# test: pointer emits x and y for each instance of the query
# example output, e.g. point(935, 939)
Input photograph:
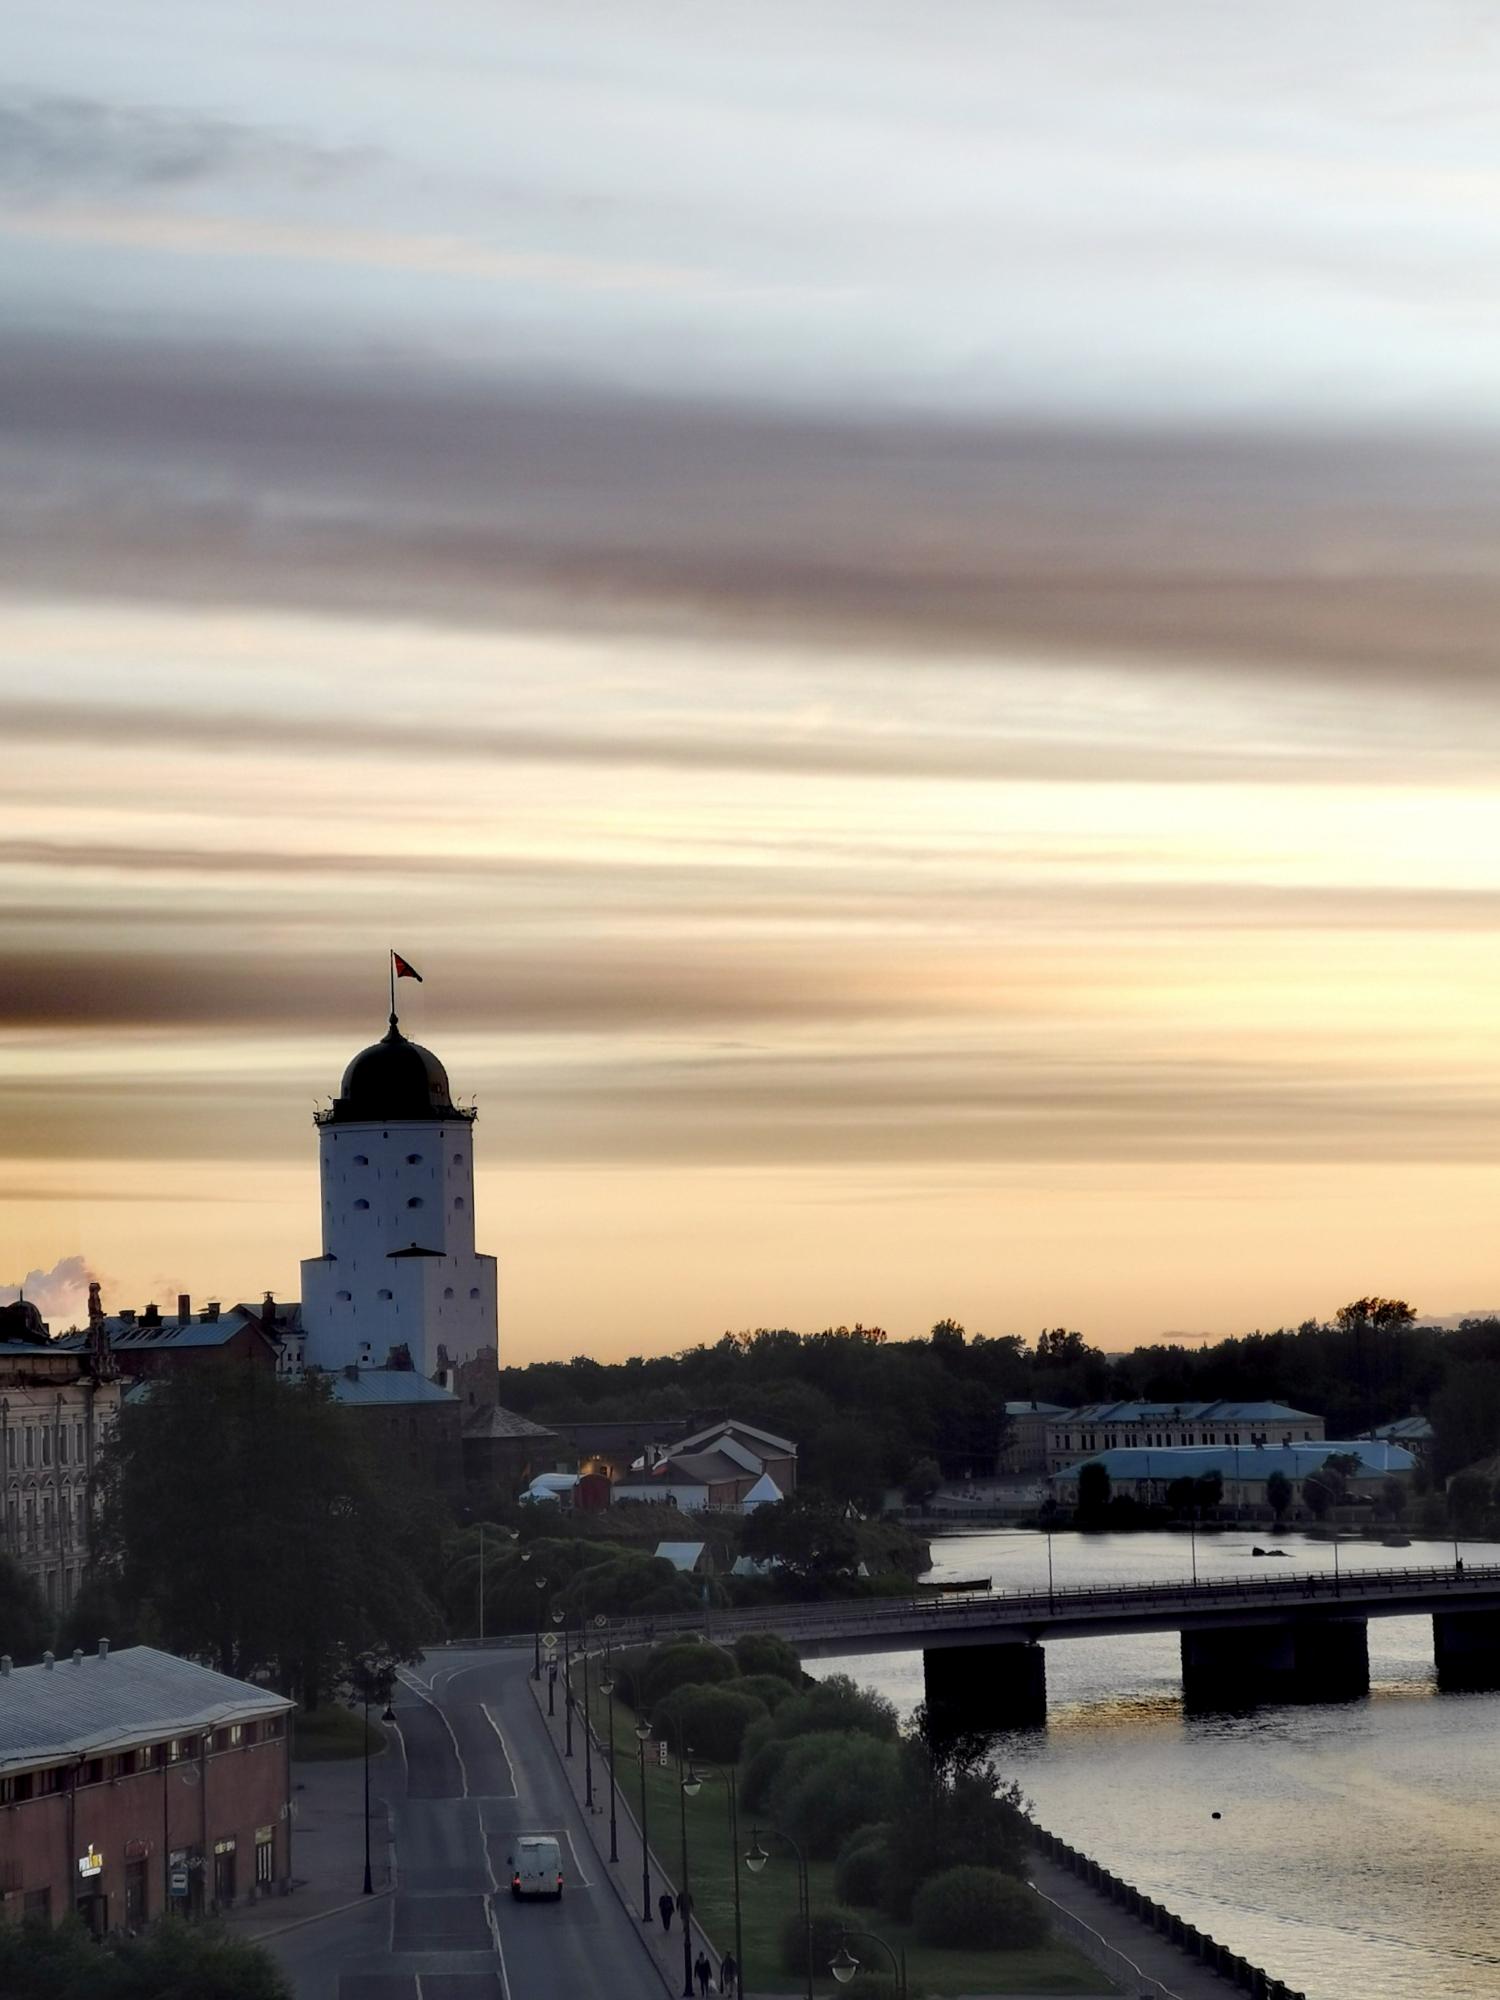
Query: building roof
point(781, 1445)
point(362, 1387)
point(81, 1707)
point(1241, 1462)
point(493, 1422)
point(1405, 1430)
point(681, 1555)
point(765, 1489)
point(1169, 1412)
point(394, 1079)
point(135, 1334)
point(1034, 1409)
point(704, 1468)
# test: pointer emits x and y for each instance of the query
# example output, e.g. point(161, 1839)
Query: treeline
point(870, 1413)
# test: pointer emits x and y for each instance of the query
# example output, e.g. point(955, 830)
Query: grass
point(767, 1899)
point(322, 1734)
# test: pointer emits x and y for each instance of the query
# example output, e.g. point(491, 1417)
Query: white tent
point(764, 1489)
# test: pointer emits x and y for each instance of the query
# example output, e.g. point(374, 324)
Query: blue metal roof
point(386, 1385)
point(1243, 1461)
point(1223, 1412)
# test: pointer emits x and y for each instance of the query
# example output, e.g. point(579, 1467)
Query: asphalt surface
point(476, 1769)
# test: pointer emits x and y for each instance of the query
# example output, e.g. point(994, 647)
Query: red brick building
point(135, 1782)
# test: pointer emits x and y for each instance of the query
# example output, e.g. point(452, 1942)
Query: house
point(136, 1783)
point(503, 1452)
point(150, 1342)
point(1145, 1475)
point(1413, 1433)
point(1097, 1427)
point(408, 1420)
point(756, 1450)
point(1023, 1443)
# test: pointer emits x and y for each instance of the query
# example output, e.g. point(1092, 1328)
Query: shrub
point(859, 1872)
point(978, 1907)
point(712, 1720)
point(831, 1784)
point(769, 1688)
point(827, 1928)
point(869, 1986)
point(763, 1761)
point(766, 1653)
point(678, 1662)
point(837, 1703)
point(630, 1669)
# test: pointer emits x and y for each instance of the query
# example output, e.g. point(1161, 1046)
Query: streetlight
point(1050, 1605)
point(643, 1737)
point(845, 1965)
point(692, 1784)
point(757, 1858)
point(536, 1629)
point(370, 1684)
point(607, 1689)
point(685, 1895)
point(560, 1617)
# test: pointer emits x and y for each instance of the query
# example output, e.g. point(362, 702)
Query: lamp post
point(370, 1685)
point(684, 1894)
point(588, 1731)
point(1050, 1605)
point(757, 1858)
point(607, 1689)
point(560, 1617)
point(692, 1784)
point(481, 1583)
point(845, 1965)
point(643, 1737)
point(536, 1632)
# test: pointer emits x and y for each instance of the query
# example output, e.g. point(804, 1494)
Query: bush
point(869, 1986)
point(831, 1784)
point(978, 1907)
point(837, 1703)
point(630, 1675)
point(766, 1653)
point(679, 1662)
point(859, 1872)
point(763, 1761)
point(827, 1927)
point(769, 1688)
point(711, 1720)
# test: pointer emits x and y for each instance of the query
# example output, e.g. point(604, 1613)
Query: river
point(1357, 1855)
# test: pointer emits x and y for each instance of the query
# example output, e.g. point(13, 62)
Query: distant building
point(730, 1465)
point(135, 1783)
point(58, 1403)
point(1413, 1433)
point(1097, 1427)
point(409, 1421)
point(1023, 1446)
point(149, 1342)
point(1142, 1474)
point(503, 1452)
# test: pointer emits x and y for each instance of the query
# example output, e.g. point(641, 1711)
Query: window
point(46, 1444)
point(135, 1895)
point(91, 1773)
point(383, 1293)
point(10, 1449)
point(361, 1160)
point(30, 1445)
point(414, 1159)
point(343, 1297)
point(458, 1201)
point(224, 1872)
point(458, 1159)
point(236, 1735)
point(265, 1856)
point(62, 1444)
point(414, 1201)
point(447, 1291)
point(473, 1291)
point(361, 1203)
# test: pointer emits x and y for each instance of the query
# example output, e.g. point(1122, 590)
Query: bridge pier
point(1466, 1647)
point(1259, 1665)
point(986, 1687)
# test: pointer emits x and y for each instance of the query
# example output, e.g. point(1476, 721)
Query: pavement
point(472, 1768)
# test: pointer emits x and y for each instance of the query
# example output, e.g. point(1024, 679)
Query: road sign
point(179, 1882)
point(661, 1750)
point(549, 1640)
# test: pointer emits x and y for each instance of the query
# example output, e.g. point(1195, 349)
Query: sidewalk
point(328, 1846)
point(624, 1876)
point(1169, 1969)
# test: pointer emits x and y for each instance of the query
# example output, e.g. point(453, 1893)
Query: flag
point(402, 970)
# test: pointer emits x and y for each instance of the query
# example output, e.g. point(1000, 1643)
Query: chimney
point(5, 1664)
point(268, 1313)
point(47, 1659)
point(351, 1369)
point(184, 1306)
point(127, 1315)
point(211, 1313)
point(151, 1317)
point(104, 1649)
point(78, 1656)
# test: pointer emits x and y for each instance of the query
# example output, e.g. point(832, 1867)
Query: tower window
point(447, 1291)
point(473, 1291)
point(361, 1160)
point(344, 1297)
point(361, 1204)
point(458, 1201)
point(458, 1159)
point(383, 1293)
point(414, 1159)
point(414, 1201)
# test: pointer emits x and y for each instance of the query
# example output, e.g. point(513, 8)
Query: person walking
point(665, 1906)
point(703, 1971)
point(729, 1974)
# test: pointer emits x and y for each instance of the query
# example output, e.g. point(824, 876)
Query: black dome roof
point(394, 1079)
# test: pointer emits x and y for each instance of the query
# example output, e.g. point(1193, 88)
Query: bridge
point(1275, 1638)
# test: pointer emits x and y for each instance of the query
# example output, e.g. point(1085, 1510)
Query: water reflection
point(1359, 1843)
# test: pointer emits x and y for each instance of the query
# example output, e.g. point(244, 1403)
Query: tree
point(1468, 1501)
point(248, 1518)
point(807, 1536)
point(1279, 1496)
point(1326, 1488)
point(1393, 1497)
point(1465, 1416)
point(25, 1621)
point(171, 1960)
point(923, 1481)
point(1093, 1492)
point(948, 1336)
point(948, 1812)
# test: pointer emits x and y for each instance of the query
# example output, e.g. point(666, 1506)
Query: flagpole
point(391, 955)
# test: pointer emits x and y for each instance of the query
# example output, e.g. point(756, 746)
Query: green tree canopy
point(247, 1516)
point(25, 1621)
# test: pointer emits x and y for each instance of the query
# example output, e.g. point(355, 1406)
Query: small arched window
point(447, 1291)
point(414, 1201)
point(458, 1159)
point(414, 1159)
point(361, 1159)
point(458, 1201)
point(361, 1203)
point(344, 1297)
point(473, 1291)
point(383, 1293)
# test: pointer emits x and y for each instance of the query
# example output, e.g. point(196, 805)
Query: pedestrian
point(666, 1906)
point(729, 1974)
point(703, 1972)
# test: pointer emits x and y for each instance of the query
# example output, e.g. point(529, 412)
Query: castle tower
point(399, 1268)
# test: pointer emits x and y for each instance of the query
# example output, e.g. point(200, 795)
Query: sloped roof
point(385, 1385)
point(1241, 1461)
point(764, 1490)
point(681, 1555)
point(1405, 1430)
point(80, 1708)
point(781, 1444)
point(1187, 1412)
point(704, 1468)
point(126, 1336)
point(493, 1422)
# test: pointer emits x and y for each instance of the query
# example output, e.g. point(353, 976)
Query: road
point(476, 1768)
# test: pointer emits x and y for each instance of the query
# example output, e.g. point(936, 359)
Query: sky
point(895, 606)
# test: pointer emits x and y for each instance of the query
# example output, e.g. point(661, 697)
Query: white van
point(536, 1867)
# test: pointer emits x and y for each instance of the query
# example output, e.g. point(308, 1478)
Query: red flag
point(403, 970)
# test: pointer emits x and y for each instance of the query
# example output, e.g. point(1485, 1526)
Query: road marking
point(422, 1695)
point(484, 1709)
point(489, 1902)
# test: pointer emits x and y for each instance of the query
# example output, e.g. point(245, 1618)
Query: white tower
point(398, 1268)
